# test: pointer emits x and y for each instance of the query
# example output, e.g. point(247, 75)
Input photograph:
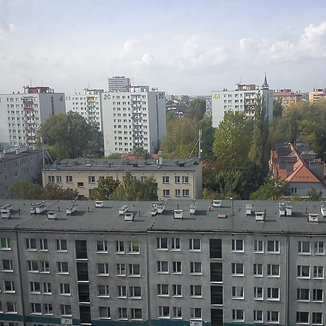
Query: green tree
point(277, 108)
point(105, 188)
point(197, 108)
point(272, 189)
point(113, 156)
point(25, 189)
point(207, 138)
point(54, 191)
point(133, 189)
point(70, 136)
point(314, 195)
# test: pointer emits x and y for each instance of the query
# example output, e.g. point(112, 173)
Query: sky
point(189, 47)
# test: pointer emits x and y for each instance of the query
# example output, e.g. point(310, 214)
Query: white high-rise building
point(88, 104)
point(22, 113)
point(243, 98)
point(134, 119)
point(118, 83)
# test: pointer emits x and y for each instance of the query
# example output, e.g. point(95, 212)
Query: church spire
point(265, 85)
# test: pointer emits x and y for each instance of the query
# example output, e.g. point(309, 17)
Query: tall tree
point(207, 138)
point(273, 188)
point(197, 108)
point(105, 188)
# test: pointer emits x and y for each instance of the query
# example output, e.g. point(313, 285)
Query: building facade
point(317, 95)
point(119, 264)
point(243, 98)
point(119, 83)
point(133, 119)
point(287, 97)
point(182, 179)
point(17, 164)
point(24, 112)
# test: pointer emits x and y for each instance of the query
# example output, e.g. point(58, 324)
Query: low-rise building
point(287, 97)
point(317, 95)
point(175, 179)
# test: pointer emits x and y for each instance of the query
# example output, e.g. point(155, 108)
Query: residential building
point(287, 97)
point(17, 164)
point(88, 104)
point(208, 106)
point(24, 112)
point(243, 98)
point(175, 179)
point(119, 83)
point(298, 165)
point(120, 263)
point(317, 95)
point(133, 119)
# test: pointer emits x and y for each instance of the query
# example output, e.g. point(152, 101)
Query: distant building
point(119, 83)
point(243, 99)
point(175, 179)
point(88, 104)
point(298, 165)
point(317, 95)
point(23, 113)
point(17, 164)
point(287, 97)
point(208, 106)
point(133, 119)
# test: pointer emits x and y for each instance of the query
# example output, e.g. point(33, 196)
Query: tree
point(314, 195)
point(70, 136)
point(25, 189)
point(134, 189)
point(273, 188)
point(207, 139)
point(277, 108)
point(57, 192)
point(197, 108)
point(105, 188)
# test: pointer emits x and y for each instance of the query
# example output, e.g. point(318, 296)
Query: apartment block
point(24, 112)
point(287, 97)
point(119, 83)
point(199, 263)
point(175, 179)
point(317, 95)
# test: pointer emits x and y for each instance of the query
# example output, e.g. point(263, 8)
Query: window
point(61, 245)
point(103, 291)
point(64, 288)
point(237, 315)
point(32, 265)
point(303, 271)
point(102, 246)
point(91, 179)
point(69, 178)
point(273, 294)
point(303, 294)
point(175, 244)
point(166, 179)
point(161, 243)
point(258, 315)
point(47, 289)
point(120, 247)
point(166, 192)
point(317, 295)
point(185, 179)
point(103, 269)
point(177, 179)
point(133, 247)
point(65, 310)
point(104, 312)
point(162, 267)
point(302, 317)
point(36, 308)
point(7, 265)
point(176, 290)
point(62, 267)
point(237, 269)
point(195, 268)
point(273, 270)
point(47, 309)
point(195, 290)
point(258, 269)
point(35, 287)
point(194, 244)
point(318, 248)
point(304, 247)
point(177, 312)
point(215, 248)
point(136, 313)
point(317, 318)
point(185, 192)
point(258, 293)
point(319, 272)
point(273, 246)
point(195, 313)
point(177, 192)
point(163, 289)
point(272, 316)
point(45, 267)
point(59, 179)
point(44, 244)
point(121, 270)
point(237, 292)
point(237, 245)
point(122, 291)
point(164, 312)
point(135, 292)
point(30, 244)
point(134, 269)
point(176, 267)
point(5, 244)
point(122, 313)
point(9, 287)
point(51, 178)
point(11, 307)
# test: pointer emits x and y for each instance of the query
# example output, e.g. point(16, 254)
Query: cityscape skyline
point(180, 47)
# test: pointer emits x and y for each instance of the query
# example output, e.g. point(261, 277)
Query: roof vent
point(260, 216)
point(38, 208)
point(123, 209)
point(288, 208)
point(99, 203)
point(129, 216)
point(323, 209)
point(71, 209)
point(178, 213)
point(216, 203)
point(248, 209)
point(281, 209)
point(88, 165)
point(52, 215)
point(193, 207)
point(313, 217)
point(6, 210)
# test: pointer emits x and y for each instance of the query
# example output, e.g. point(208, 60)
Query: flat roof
point(89, 218)
point(13, 156)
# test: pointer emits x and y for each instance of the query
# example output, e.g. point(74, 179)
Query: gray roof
point(88, 218)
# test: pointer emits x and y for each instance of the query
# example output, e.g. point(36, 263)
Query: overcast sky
point(180, 46)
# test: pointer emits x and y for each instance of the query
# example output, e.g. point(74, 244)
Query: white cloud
point(128, 47)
